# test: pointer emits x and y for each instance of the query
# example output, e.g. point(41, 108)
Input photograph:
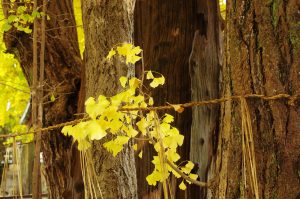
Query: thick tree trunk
point(106, 24)
point(204, 71)
point(165, 31)
point(62, 78)
point(262, 57)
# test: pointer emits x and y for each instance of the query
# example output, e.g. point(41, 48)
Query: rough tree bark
point(262, 57)
point(62, 78)
point(204, 65)
point(106, 24)
point(165, 31)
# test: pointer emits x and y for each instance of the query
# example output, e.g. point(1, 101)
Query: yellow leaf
point(177, 108)
point(157, 81)
point(150, 101)
point(111, 53)
point(188, 167)
point(149, 75)
point(115, 146)
point(172, 155)
point(142, 125)
point(168, 118)
point(132, 132)
point(124, 49)
point(177, 175)
point(52, 98)
point(193, 176)
point(136, 50)
point(153, 178)
point(95, 131)
point(121, 140)
point(132, 59)
point(134, 147)
point(182, 186)
point(123, 81)
point(134, 83)
point(141, 154)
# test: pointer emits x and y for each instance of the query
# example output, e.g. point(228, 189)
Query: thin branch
point(184, 176)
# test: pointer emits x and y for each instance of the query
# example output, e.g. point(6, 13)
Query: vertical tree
point(107, 23)
point(180, 39)
point(262, 57)
point(62, 79)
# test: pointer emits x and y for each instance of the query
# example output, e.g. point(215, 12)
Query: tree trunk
point(204, 71)
point(262, 57)
point(165, 31)
point(62, 78)
point(106, 24)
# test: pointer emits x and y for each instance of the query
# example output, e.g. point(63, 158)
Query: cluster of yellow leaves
point(14, 95)
point(129, 51)
point(106, 118)
point(167, 140)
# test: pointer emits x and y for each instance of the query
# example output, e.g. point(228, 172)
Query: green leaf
point(52, 98)
point(27, 30)
point(6, 27)
point(11, 18)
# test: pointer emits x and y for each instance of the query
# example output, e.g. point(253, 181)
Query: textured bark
point(106, 24)
point(62, 78)
point(165, 31)
point(262, 56)
point(204, 71)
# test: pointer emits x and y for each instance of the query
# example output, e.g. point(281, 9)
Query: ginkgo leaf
point(142, 125)
point(134, 83)
point(177, 108)
point(193, 176)
point(66, 129)
point(150, 101)
point(182, 186)
point(95, 131)
point(157, 81)
point(134, 147)
point(141, 154)
point(136, 50)
point(123, 81)
point(177, 175)
point(168, 118)
point(52, 98)
point(111, 53)
point(132, 132)
point(132, 59)
point(149, 75)
point(112, 147)
point(130, 52)
point(124, 49)
point(188, 167)
point(116, 145)
point(6, 27)
point(172, 155)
